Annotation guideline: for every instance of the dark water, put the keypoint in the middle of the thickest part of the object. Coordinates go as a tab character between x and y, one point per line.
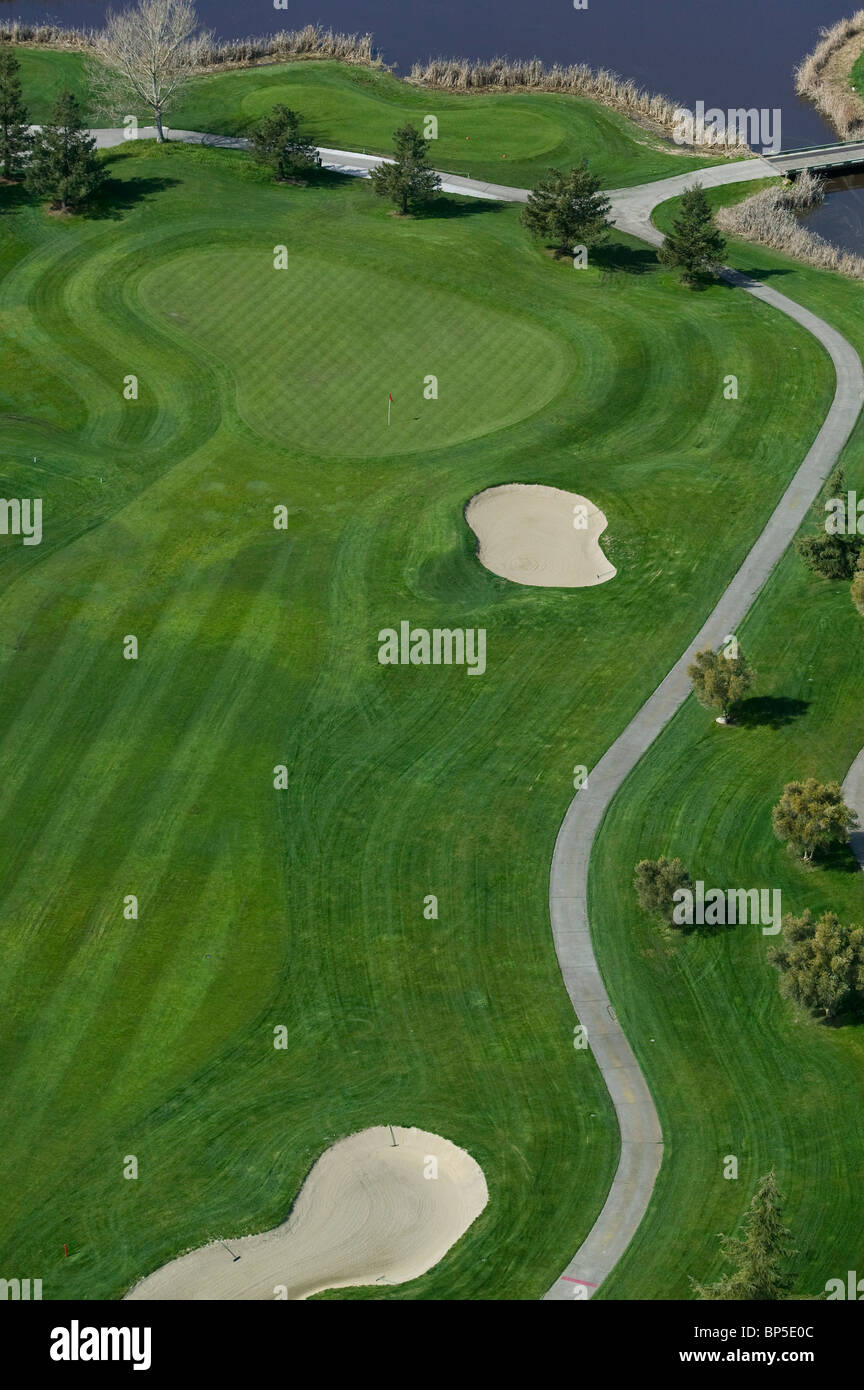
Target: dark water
739	53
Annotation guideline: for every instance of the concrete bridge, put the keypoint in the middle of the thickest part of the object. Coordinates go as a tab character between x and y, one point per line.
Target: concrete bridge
820	159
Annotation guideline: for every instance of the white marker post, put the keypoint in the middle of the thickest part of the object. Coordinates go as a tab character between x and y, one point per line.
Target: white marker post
389	403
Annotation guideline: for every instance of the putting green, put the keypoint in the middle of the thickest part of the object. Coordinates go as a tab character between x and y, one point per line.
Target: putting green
304	907
316	349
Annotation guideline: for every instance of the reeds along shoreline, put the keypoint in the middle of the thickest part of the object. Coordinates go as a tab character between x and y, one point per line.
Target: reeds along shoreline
598	84
770	218
835	100
450	74
313	41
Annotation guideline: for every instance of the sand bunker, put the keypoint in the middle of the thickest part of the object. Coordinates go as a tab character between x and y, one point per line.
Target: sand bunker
368	1213
526	533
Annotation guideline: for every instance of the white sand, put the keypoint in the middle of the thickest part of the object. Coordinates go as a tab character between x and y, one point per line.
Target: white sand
366	1214
526	533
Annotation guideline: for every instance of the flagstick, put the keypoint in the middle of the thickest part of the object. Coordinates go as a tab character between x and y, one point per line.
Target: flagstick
389	403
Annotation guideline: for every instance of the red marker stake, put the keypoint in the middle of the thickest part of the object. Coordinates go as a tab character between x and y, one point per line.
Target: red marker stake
65	1251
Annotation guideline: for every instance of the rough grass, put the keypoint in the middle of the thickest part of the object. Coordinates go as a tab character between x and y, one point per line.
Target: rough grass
734	1068
578	79
501	74
258	647
509	139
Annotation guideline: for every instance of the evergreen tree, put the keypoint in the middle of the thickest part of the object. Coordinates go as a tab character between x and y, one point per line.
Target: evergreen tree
830	554
408	181
568	209
694	244
14	137
64	165
278	141
760	1256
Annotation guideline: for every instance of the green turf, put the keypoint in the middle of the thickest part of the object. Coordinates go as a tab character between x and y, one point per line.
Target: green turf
511	138
258	647
735	1069
856	77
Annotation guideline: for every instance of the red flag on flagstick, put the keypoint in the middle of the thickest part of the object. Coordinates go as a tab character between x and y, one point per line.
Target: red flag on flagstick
389	403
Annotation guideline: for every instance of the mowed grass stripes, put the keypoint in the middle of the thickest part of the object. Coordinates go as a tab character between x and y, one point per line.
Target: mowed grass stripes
509	138
734	1068
258	647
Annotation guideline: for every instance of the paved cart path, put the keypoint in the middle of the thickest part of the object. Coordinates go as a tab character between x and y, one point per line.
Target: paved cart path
641	1137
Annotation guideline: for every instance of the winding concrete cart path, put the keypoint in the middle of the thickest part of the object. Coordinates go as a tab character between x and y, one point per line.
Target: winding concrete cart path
641	1137
853	795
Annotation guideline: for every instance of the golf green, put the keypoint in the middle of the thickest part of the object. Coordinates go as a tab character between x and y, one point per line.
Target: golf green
303	906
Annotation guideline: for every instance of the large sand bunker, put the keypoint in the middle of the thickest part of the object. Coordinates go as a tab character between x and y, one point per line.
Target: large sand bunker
539	535
370	1212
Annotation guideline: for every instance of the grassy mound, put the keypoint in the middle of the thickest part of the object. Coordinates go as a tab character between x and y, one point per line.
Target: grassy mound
511	138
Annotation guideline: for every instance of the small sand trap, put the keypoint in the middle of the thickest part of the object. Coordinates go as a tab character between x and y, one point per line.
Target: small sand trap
526	533
366	1214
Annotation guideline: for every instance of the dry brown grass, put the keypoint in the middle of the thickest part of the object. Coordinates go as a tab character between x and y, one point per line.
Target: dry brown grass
310	42
770	218
823	76
599	84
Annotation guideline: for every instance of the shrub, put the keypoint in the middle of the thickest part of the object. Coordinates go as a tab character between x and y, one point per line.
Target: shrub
656	881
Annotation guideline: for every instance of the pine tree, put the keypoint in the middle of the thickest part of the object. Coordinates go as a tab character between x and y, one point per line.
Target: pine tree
694	244
408	181
64	165
278	141
760	1256
14	137
568	209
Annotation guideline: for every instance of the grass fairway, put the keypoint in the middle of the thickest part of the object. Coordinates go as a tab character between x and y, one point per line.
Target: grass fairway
510	138
734	1068
258	647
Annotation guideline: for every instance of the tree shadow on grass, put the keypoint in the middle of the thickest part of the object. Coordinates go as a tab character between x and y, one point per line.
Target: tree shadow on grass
847	1018
773	711
119	196
839	857
15	195
761	273
632	260
325	178
447	206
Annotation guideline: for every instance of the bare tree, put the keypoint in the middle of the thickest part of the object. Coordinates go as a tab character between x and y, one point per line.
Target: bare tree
150	52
